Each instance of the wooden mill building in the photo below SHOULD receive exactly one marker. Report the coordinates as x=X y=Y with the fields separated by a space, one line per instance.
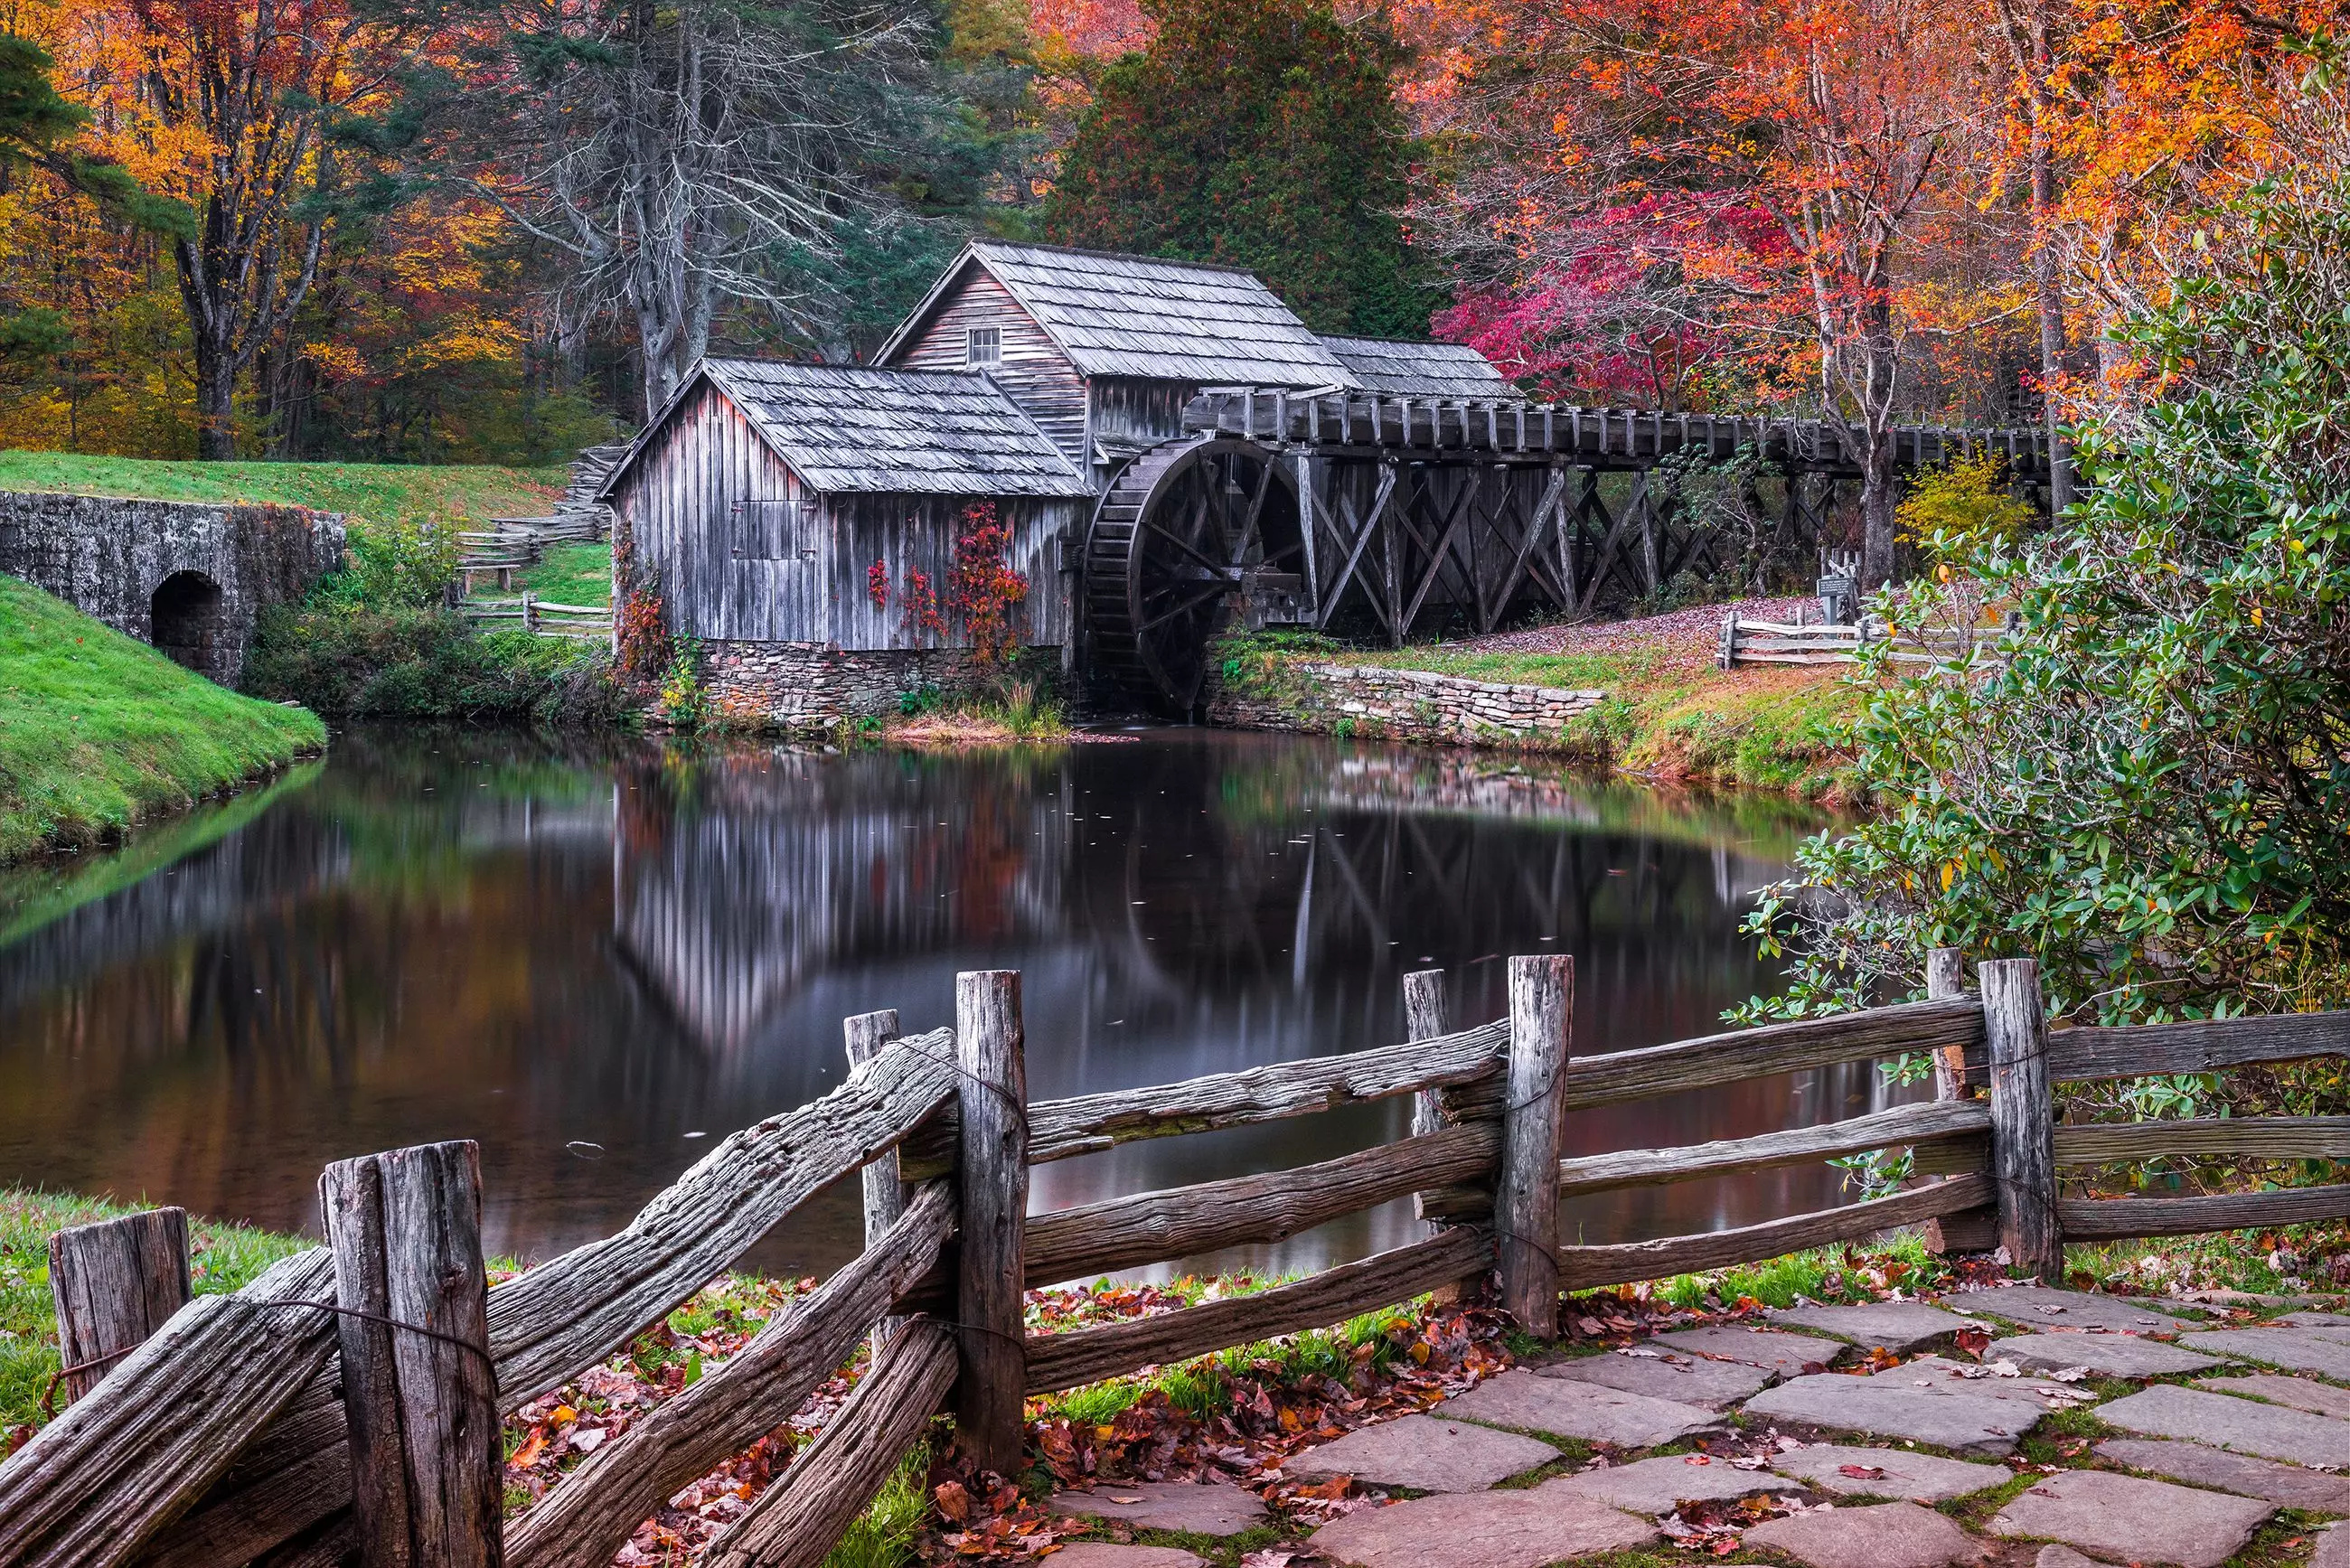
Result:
x=761 y=498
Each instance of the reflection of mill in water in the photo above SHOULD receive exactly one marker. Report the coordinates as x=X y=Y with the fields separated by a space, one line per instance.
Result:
x=1180 y=910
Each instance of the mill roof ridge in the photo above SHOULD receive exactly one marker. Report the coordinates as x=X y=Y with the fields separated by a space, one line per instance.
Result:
x=862 y=429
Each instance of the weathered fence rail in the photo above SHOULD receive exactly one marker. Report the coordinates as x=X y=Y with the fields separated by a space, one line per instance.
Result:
x=544 y=618
x=342 y=1406
x=1825 y=642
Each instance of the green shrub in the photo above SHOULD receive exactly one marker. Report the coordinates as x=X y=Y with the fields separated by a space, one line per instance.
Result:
x=365 y=662
x=2145 y=787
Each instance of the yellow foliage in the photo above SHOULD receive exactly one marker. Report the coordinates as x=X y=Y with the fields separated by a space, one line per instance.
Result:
x=1965 y=499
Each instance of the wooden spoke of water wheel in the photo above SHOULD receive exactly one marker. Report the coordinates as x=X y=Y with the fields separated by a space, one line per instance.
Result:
x=1173 y=545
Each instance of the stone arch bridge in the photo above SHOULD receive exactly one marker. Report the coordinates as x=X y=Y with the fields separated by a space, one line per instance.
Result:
x=189 y=578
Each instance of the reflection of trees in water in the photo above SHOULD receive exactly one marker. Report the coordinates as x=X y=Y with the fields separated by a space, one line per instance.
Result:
x=461 y=935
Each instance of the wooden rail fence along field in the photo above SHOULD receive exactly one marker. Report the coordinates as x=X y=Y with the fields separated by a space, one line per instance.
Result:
x=1827 y=642
x=544 y=618
x=344 y=1407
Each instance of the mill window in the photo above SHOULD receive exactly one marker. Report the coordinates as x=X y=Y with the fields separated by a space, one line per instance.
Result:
x=984 y=346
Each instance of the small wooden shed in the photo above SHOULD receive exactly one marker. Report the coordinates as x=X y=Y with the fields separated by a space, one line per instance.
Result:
x=766 y=491
x=1105 y=350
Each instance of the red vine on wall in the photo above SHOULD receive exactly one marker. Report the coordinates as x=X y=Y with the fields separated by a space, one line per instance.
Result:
x=877 y=583
x=922 y=615
x=982 y=589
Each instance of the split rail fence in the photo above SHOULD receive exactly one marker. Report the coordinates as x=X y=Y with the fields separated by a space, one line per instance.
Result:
x=345 y=1405
x=544 y=618
x=1827 y=642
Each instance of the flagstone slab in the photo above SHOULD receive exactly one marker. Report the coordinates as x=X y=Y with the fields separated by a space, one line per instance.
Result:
x=2301 y=1349
x=1523 y=1529
x=1897 y=1327
x=2272 y=1431
x=2044 y=1306
x=1900 y=1472
x=1187 y=1506
x=1571 y=1409
x=2314 y=1319
x=2288 y=1485
x=1687 y=1379
x=1781 y=1353
x=1926 y=1401
x=1660 y=1485
x=2107 y=1355
x=1886 y=1535
x=2301 y=1393
x=2132 y=1518
x=2332 y=1548
x=2055 y=1556
x=1425 y=1453
x=1111 y=1554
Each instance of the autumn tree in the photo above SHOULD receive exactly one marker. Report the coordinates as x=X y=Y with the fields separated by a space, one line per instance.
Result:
x=1775 y=173
x=1262 y=134
x=689 y=159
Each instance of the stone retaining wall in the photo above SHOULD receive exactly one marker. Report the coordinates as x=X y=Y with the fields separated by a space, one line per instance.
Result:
x=1312 y=697
x=812 y=685
x=187 y=577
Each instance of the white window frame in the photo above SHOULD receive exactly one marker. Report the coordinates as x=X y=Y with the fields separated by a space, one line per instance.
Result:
x=982 y=346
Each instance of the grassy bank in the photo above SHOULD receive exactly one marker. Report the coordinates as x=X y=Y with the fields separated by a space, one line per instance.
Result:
x=99 y=733
x=1669 y=712
x=371 y=492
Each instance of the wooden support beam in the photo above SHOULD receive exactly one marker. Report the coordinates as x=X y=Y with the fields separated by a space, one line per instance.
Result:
x=419 y=1391
x=2023 y=1118
x=992 y=1172
x=1526 y=1206
x=114 y=1283
x=1945 y=980
x=885 y=1195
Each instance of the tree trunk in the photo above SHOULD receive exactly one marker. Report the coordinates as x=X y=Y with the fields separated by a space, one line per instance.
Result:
x=2045 y=281
x=1877 y=502
x=215 y=400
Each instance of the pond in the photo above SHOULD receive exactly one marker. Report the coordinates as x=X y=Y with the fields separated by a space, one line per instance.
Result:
x=597 y=958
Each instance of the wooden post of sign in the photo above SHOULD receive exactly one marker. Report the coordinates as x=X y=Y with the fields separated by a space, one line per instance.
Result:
x=992 y=1236
x=422 y=1412
x=1526 y=1206
x=1945 y=979
x=114 y=1283
x=885 y=1195
x=2022 y=1118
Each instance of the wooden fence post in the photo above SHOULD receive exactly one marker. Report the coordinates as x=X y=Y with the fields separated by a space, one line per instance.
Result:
x=1427 y=1013
x=885 y=1195
x=2022 y=1118
x=992 y=1171
x=1525 y=1208
x=426 y=1453
x=1945 y=979
x=115 y=1283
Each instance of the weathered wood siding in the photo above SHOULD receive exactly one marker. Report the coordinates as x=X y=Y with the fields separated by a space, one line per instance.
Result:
x=1126 y=412
x=740 y=551
x=919 y=532
x=1034 y=374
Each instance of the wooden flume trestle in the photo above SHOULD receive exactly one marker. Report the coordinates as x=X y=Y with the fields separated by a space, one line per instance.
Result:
x=1394 y=515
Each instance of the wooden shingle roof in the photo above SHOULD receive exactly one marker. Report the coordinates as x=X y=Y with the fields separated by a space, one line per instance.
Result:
x=1419 y=369
x=1156 y=320
x=908 y=432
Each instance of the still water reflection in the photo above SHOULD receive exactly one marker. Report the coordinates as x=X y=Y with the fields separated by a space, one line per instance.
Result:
x=596 y=960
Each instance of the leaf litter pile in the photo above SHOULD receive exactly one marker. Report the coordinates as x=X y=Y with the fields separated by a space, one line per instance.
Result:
x=1236 y=1418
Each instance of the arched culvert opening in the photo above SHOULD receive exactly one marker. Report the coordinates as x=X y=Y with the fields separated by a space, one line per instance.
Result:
x=188 y=621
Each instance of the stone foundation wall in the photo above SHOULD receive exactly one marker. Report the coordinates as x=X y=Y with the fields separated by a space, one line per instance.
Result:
x=1312 y=697
x=216 y=567
x=813 y=685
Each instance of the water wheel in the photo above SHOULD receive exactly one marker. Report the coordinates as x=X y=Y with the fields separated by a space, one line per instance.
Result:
x=1185 y=534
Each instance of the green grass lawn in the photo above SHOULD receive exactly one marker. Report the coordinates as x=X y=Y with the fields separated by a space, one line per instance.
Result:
x=372 y=493
x=98 y=733
x=565 y=575
x=221 y=1257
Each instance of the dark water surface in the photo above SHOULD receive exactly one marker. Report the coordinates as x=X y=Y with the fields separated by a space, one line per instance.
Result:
x=595 y=959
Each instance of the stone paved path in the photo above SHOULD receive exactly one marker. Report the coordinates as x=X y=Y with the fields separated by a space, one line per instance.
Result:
x=1910 y=1465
